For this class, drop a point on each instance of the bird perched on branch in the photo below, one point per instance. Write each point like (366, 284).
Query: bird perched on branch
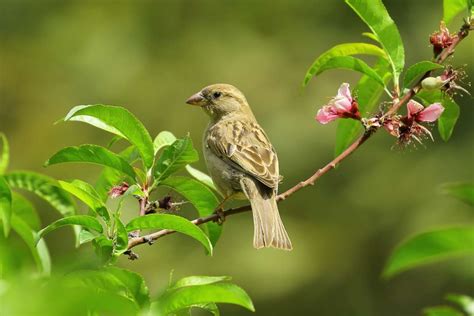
(241, 160)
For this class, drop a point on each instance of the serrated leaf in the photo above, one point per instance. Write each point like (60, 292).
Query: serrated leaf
(351, 63)
(450, 115)
(429, 247)
(134, 283)
(201, 197)
(87, 194)
(23, 209)
(417, 70)
(202, 177)
(173, 222)
(347, 49)
(198, 280)
(163, 139)
(175, 157)
(201, 294)
(375, 15)
(5, 205)
(461, 191)
(92, 154)
(119, 121)
(441, 311)
(39, 251)
(86, 221)
(451, 8)
(368, 93)
(5, 154)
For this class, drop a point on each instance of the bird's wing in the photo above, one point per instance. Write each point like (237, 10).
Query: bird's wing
(246, 146)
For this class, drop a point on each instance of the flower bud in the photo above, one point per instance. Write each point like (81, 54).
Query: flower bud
(432, 83)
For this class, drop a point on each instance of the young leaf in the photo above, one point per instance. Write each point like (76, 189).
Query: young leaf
(5, 154)
(430, 247)
(175, 157)
(448, 119)
(92, 154)
(451, 8)
(173, 222)
(121, 237)
(375, 15)
(461, 191)
(23, 209)
(201, 197)
(163, 139)
(81, 220)
(5, 205)
(87, 194)
(417, 70)
(368, 93)
(202, 177)
(173, 301)
(134, 283)
(441, 311)
(346, 49)
(119, 121)
(39, 251)
(351, 63)
(197, 280)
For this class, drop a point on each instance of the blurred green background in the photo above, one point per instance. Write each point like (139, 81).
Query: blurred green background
(151, 55)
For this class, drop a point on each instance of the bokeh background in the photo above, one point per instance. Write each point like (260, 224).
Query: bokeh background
(151, 55)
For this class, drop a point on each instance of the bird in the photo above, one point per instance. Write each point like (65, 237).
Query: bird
(241, 160)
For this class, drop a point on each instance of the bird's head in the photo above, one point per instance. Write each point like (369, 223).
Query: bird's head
(220, 99)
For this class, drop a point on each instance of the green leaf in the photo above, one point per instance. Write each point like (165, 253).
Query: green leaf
(198, 280)
(5, 154)
(5, 205)
(173, 222)
(417, 70)
(346, 49)
(451, 8)
(175, 157)
(92, 154)
(351, 63)
(119, 121)
(163, 139)
(463, 301)
(201, 177)
(375, 15)
(104, 249)
(81, 220)
(202, 294)
(371, 35)
(121, 237)
(461, 191)
(87, 194)
(448, 119)
(39, 251)
(441, 311)
(368, 93)
(85, 236)
(23, 209)
(45, 187)
(201, 197)
(429, 247)
(134, 283)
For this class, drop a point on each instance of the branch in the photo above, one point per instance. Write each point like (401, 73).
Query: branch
(448, 51)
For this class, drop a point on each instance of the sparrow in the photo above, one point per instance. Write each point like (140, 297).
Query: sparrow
(241, 160)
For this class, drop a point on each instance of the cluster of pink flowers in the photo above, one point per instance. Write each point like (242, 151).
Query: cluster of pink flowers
(405, 128)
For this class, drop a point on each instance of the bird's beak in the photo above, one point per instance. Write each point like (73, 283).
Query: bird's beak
(196, 99)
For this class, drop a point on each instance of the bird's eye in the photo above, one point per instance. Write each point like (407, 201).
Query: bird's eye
(216, 94)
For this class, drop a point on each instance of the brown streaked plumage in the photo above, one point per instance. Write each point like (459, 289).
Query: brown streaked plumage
(241, 160)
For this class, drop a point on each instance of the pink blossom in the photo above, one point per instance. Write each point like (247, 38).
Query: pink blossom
(341, 106)
(417, 112)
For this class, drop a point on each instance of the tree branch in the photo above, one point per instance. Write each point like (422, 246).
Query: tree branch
(448, 51)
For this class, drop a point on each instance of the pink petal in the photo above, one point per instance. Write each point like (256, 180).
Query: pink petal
(413, 108)
(342, 104)
(345, 92)
(431, 113)
(325, 116)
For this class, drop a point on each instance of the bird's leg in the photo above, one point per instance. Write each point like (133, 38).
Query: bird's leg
(219, 210)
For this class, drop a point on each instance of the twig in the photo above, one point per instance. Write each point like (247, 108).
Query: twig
(448, 51)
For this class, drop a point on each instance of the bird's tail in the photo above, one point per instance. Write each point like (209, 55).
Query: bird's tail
(268, 227)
